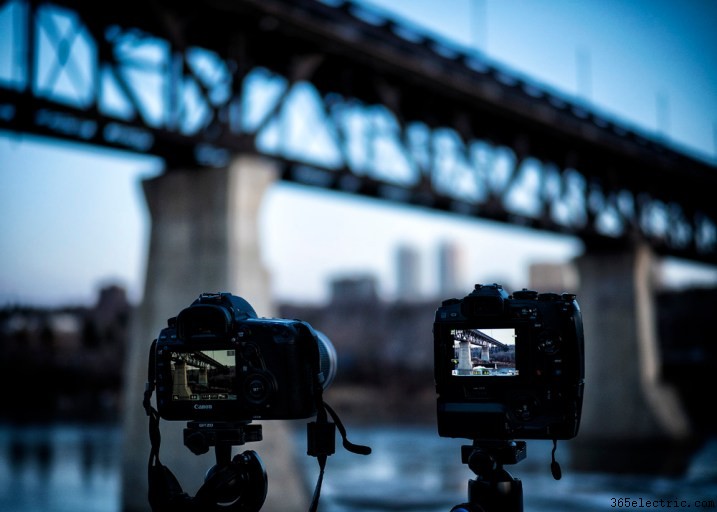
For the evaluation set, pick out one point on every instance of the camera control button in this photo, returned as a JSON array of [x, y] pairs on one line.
[[524, 408], [525, 294], [548, 343]]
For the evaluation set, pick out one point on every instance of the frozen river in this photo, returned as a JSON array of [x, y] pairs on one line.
[[76, 469], [415, 470]]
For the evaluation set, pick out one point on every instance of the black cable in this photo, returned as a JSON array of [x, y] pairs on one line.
[[353, 448], [317, 490], [321, 435]]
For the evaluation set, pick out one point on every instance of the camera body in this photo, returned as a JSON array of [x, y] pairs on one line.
[[217, 361], [509, 366]]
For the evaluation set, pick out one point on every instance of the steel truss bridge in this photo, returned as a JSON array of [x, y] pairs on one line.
[[198, 360], [346, 99], [476, 337]]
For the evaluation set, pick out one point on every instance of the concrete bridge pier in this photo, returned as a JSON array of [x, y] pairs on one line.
[[630, 419], [465, 361], [204, 238], [179, 376]]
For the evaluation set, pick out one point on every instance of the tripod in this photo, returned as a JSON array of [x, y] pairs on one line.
[[493, 489], [238, 484]]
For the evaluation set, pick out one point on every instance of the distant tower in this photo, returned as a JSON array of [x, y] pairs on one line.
[[450, 269], [407, 273], [357, 288]]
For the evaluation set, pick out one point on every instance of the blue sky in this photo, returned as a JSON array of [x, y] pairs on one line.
[[73, 218]]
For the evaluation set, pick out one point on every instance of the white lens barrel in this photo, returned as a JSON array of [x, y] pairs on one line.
[[328, 360]]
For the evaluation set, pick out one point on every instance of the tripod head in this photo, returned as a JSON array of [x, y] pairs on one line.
[[493, 489], [199, 436], [236, 484]]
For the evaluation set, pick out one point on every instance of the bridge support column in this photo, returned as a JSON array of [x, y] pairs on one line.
[[203, 379], [626, 405], [465, 361], [204, 238], [179, 376]]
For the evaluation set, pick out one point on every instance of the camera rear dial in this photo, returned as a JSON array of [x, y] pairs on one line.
[[259, 387]]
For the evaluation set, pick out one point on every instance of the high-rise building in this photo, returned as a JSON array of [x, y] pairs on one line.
[[450, 269], [356, 288], [407, 273]]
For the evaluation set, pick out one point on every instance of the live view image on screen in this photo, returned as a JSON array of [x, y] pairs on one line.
[[203, 375], [484, 352]]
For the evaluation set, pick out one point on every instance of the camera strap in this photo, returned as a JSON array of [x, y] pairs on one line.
[[165, 493]]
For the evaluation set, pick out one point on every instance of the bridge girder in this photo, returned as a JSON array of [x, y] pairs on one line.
[[407, 118]]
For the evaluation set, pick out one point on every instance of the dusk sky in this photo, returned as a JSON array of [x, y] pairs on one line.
[[73, 218]]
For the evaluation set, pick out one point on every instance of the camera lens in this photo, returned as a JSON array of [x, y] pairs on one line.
[[328, 360]]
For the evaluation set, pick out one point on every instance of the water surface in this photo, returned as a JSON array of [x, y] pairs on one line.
[[76, 468]]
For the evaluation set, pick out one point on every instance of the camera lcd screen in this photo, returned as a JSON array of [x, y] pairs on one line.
[[483, 352], [203, 375]]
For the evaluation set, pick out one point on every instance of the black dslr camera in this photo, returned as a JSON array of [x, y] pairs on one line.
[[217, 361], [509, 367]]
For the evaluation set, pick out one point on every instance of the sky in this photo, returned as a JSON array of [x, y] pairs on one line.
[[73, 219]]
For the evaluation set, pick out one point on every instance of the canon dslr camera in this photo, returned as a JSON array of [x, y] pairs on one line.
[[509, 367], [217, 361]]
